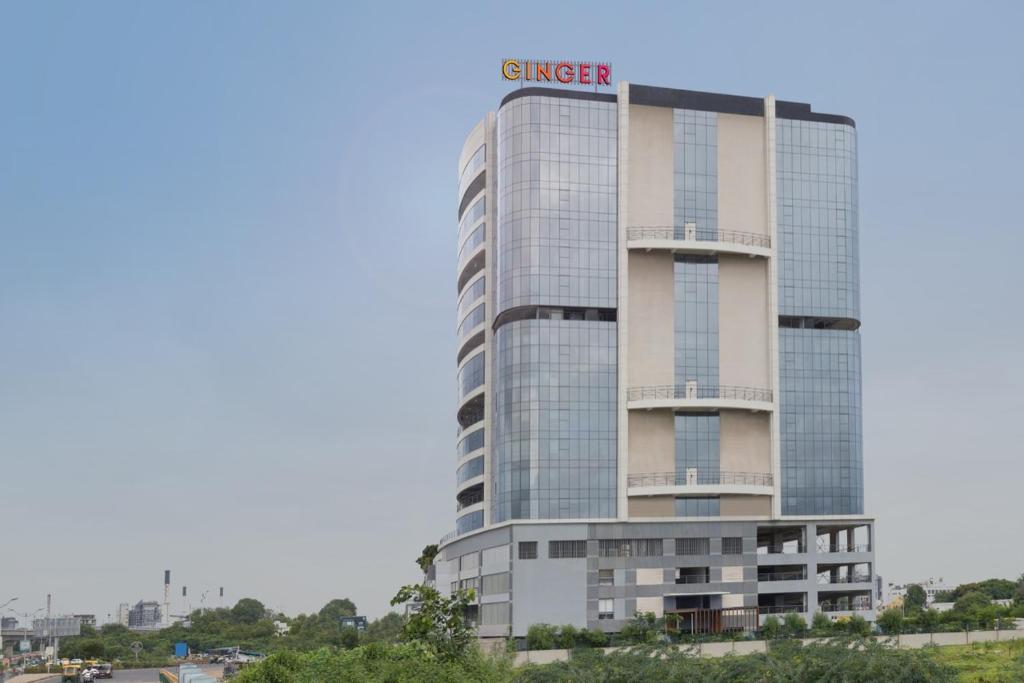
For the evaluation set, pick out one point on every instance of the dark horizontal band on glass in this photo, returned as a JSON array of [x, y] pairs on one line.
[[472, 191], [692, 99], [555, 313], [804, 322]]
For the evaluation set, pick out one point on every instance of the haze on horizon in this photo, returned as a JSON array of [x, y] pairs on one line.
[[228, 267]]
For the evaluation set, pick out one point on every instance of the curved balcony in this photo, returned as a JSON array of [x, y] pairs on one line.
[[474, 264], [471, 409], [470, 496], [691, 396], [689, 239], [694, 482]]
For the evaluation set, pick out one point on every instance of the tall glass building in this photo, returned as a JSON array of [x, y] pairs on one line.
[[658, 366]]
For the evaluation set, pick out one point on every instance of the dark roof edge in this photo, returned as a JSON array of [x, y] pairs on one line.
[[558, 92], [690, 99]]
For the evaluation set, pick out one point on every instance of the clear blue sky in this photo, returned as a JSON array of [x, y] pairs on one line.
[[227, 274]]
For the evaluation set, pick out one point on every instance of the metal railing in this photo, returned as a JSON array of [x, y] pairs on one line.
[[470, 499], [841, 607], [844, 548], [855, 578], [700, 478], [692, 578], [697, 391], [782, 576], [781, 549], [781, 609], [447, 537], [691, 233]]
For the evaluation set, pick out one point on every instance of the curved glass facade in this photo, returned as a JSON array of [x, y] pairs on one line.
[[475, 239], [467, 523], [471, 218], [819, 369], [817, 219], [473, 468], [554, 446], [557, 222], [471, 375], [820, 407], [469, 443], [475, 163], [472, 319], [470, 296], [696, 320]]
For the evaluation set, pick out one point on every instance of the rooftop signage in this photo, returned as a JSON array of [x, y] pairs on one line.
[[566, 73]]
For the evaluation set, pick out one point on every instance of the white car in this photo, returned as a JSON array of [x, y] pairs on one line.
[[76, 661]]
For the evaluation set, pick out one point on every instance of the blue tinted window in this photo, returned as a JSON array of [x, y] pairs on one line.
[[554, 445], [473, 468], [697, 507], [696, 320], [695, 161]]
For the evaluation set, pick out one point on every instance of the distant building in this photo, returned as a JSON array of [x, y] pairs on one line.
[[358, 623], [145, 616], [86, 619], [930, 585], [8, 623], [122, 613], [56, 627]]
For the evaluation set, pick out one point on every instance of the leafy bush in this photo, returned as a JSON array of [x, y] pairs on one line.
[[794, 626], [541, 637], [772, 628], [821, 625]]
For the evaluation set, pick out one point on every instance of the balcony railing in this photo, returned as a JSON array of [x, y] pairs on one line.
[[471, 498], [697, 391], [856, 606], [782, 576], [447, 537], [781, 549], [699, 478], [692, 578], [781, 609], [691, 233], [854, 578], [844, 548]]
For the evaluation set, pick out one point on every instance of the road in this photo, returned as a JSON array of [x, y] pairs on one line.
[[153, 675]]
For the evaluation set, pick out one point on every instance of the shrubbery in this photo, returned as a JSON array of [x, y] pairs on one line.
[[548, 637]]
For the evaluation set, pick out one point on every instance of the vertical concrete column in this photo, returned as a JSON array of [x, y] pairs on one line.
[[623, 298], [773, 300], [490, 300], [811, 536]]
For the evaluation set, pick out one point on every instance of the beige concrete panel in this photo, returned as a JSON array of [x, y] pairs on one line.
[[647, 576], [652, 506], [741, 166], [650, 323], [650, 166], [746, 441], [746, 506], [652, 441], [743, 321], [655, 605]]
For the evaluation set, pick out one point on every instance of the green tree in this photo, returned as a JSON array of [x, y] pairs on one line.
[[337, 608], [772, 628], [915, 599], [248, 611], [426, 557], [793, 625], [644, 627], [387, 629], [891, 621], [438, 622], [972, 602], [567, 637], [541, 637], [821, 625], [929, 620], [858, 626]]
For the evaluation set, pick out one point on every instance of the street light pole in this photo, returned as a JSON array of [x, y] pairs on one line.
[[2, 628]]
